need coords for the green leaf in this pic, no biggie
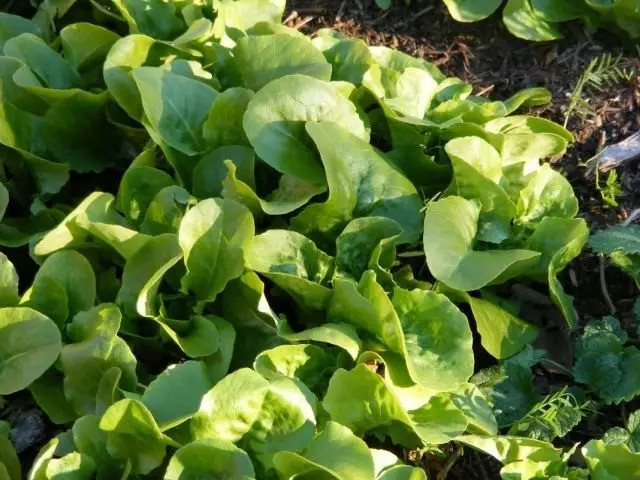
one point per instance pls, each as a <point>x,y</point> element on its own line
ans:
<point>403,472</point>
<point>74,278</point>
<point>338,334</point>
<point>155,18</point>
<point>161,397</point>
<point>93,349</point>
<point>374,189</point>
<point>560,240</point>
<point>294,263</point>
<point>9,460</point>
<point>143,273</point>
<point>477,171</point>
<point>86,45</point>
<point>610,461</point>
<point>450,226</point>
<point>51,69</point>
<point>9,296</point>
<point>471,10</point>
<point>48,392</point>
<point>275,123</point>
<point>367,243</point>
<point>29,344</point>
<point>360,400</point>
<point>335,452</point>
<point>290,195</point>
<point>13,25</point>
<point>523,22</point>
<point>261,59</point>
<point>308,363</point>
<point>74,466</point>
<point>211,171</point>
<point>213,236</point>
<point>133,435</point>
<point>138,187</point>
<point>265,417</point>
<point>224,123</point>
<point>166,211</point>
<point>502,334</point>
<point>213,458</point>
<point>437,337</point>
<point>196,337</point>
<point>244,14</point>
<point>616,238</point>
<point>548,194</point>
<point>175,107</point>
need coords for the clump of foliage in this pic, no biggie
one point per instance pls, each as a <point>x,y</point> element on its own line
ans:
<point>539,20</point>
<point>235,251</point>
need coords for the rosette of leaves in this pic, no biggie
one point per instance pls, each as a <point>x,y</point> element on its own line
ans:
<point>234,236</point>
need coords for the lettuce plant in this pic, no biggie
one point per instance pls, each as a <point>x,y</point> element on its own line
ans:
<point>539,20</point>
<point>255,250</point>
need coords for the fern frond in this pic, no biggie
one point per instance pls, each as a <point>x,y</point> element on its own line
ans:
<point>601,73</point>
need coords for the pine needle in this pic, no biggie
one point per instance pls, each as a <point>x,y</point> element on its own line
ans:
<point>602,72</point>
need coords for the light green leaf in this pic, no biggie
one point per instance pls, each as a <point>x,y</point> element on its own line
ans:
<point>156,18</point>
<point>290,195</point>
<point>174,396</point>
<point>214,458</point>
<point>471,10</point>
<point>501,333</point>
<point>224,123</point>
<point>548,194</point>
<point>197,337</point>
<point>211,170</point>
<point>93,349</point>
<point>143,273</point>
<point>134,436</point>
<point>166,211</point>
<point>74,466</point>
<point>367,243</point>
<point>265,417</point>
<point>9,296</point>
<point>560,240</point>
<point>403,472</point>
<point>437,339</point>
<point>176,107</point>
<point>275,123</point>
<point>75,281</point>
<point>335,452</point>
<point>29,344</point>
<point>338,334</point>
<point>477,171</point>
<point>308,363</point>
<point>294,263</point>
<point>523,22</point>
<point>261,59</point>
<point>86,45</point>
<point>374,187</point>
<point>213,237</point>
<point>138,187</point>
<point>609,462</point>
<point>450,226</point>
